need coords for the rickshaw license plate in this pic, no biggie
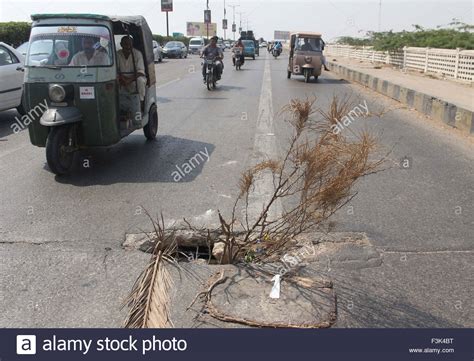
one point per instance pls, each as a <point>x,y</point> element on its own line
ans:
<point>87,92</point>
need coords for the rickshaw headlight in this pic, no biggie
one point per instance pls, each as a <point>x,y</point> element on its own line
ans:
<point>308,59</point>
<point>57,93</point>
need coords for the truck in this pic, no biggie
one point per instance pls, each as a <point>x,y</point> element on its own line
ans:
<point>248,35</point>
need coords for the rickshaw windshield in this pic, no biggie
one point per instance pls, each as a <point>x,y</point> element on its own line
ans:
<point>309,44</point>
<point>69,46</point>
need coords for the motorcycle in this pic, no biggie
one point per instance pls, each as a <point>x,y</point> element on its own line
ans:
<point>238,58</point>
<point>276,52</point>
<point>211,76</point>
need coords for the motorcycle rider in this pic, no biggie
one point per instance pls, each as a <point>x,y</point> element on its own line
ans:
<point>212,51</point>
<point>239,45</point>
<point>278,47</point>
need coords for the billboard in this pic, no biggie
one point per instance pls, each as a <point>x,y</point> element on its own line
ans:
<point>166,5</point>
<point>282,35</point>
<point>200,29</point>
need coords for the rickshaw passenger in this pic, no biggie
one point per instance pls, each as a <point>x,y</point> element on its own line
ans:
<point>89,55</point>
<point>128,79</point>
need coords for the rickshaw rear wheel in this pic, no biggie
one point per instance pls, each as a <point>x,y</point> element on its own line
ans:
<point>307,76</point>
<point>58,155</point>
<point>151,129</point>
<point>316,78</point>
<point>289,75</point>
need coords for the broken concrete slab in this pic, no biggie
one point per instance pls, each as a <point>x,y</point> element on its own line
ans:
<point>244,298</point>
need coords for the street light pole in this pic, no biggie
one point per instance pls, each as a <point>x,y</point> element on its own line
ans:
<point>380,15</point>
<point>207,24</point>
<point>225,14</point>
<point>233,16</point>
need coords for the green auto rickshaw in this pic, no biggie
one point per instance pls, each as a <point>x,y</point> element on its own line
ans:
<point>75,92</point>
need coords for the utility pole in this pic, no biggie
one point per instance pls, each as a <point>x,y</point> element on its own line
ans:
<point>225,14</point>
<point>207,24</point>
<point>240,26</point>
<point>380,15</point>
<point>233,17</point>
<point>167,25</point>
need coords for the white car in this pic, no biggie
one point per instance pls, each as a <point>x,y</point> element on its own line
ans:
<point>11,78</point>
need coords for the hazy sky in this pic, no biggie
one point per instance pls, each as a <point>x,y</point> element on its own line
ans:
<point>331,17</point>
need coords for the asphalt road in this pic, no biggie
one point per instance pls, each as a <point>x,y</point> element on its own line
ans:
<point>61,259</point>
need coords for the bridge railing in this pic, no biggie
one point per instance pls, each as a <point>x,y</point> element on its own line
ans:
<point>452,63</point>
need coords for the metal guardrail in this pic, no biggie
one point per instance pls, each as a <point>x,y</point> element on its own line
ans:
<point>452,63</point>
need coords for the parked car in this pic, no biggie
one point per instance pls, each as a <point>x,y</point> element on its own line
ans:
<point>175,49</point>
<point>157,52</point>
<point>196,45</point>
<point>249,48</point>
<point>11,78</point>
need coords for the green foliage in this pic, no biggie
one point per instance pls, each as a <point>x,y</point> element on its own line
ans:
<point>459,37</point>
<point>15,33</point>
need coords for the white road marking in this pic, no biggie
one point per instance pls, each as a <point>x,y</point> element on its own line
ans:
<point>231,162</point>
<point>265,148</point>
<point>168,83</point>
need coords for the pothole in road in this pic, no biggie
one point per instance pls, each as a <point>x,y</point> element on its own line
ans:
<point>240,293</point>
<point>339,249</point>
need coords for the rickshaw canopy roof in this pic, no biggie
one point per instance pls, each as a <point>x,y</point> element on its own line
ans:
<point>137,20</point>
<point>307,34</point>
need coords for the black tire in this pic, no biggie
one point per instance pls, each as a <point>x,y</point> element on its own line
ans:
<point>59,160</point>
<point>289,75</point>
<point>209,81</point>
<point>160,60</point>
<point>21,109</point>
<point>253,57</point>
<point>307,76</point>
<point>151,129</point>
<point>316,78</point>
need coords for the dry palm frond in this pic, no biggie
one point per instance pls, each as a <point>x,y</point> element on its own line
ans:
<point>149,302</point>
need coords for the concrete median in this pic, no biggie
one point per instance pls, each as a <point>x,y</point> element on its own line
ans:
<point>432,106</point>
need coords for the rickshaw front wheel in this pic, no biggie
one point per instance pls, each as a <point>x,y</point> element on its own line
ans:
<point>289,75</point>
<point>151,128</point>
<point>58,151</point>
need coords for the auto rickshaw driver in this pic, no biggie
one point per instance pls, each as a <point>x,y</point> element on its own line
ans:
<point>89,55</point>
<point>308,47</point>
